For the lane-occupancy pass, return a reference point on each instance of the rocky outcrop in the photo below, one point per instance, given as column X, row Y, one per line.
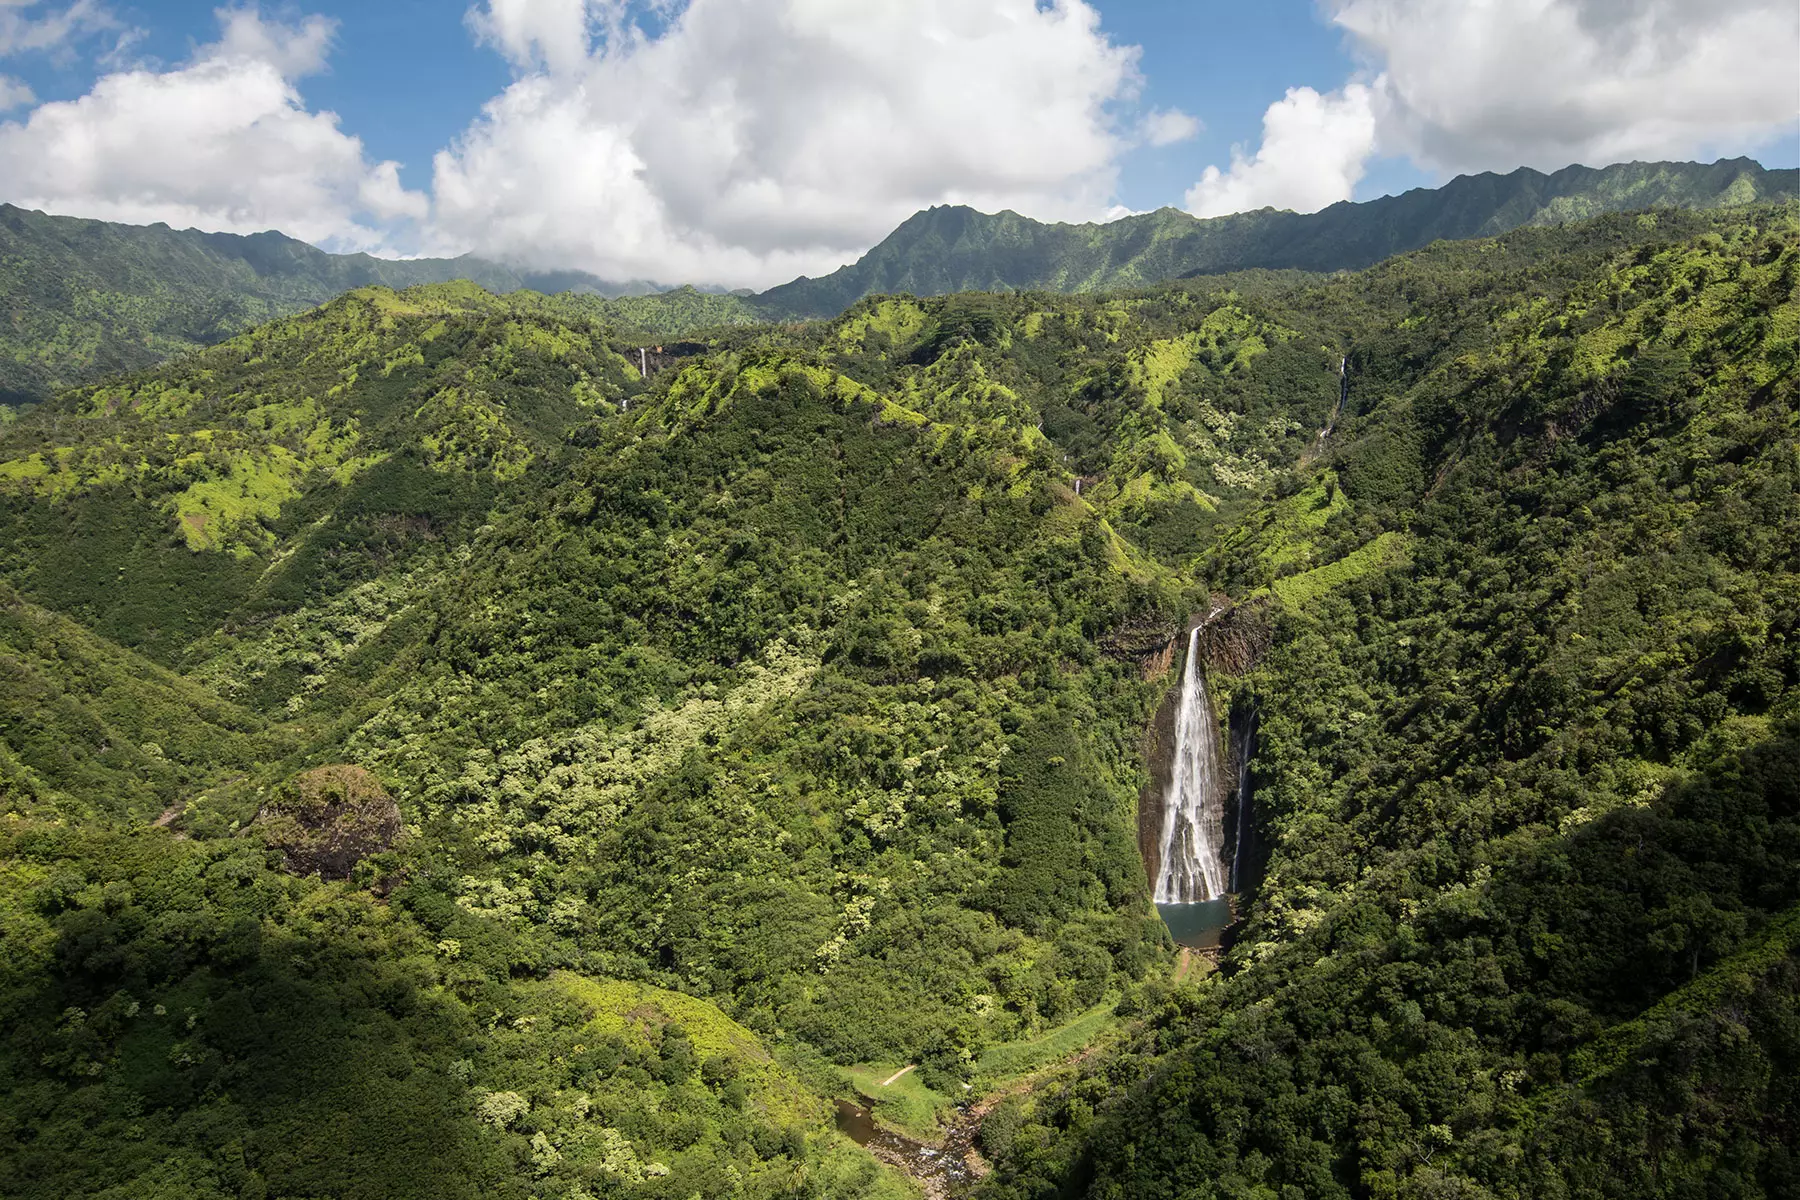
column 327, row 820
column 1149, row 640
column 1236, row 637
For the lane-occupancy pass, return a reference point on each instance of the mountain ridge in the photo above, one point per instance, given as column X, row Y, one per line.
column 973, row 251
column 89, row 298
column 506, row 276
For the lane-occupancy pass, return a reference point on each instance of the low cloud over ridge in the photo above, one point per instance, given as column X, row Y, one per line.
column 1538, row 83
column 224, row 142
column 750, row 140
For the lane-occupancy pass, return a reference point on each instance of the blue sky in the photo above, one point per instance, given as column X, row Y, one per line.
column 743, row 141
column 407, row 76
column 1225, row 64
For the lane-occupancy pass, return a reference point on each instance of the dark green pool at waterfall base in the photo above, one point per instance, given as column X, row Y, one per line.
column 1197, row 926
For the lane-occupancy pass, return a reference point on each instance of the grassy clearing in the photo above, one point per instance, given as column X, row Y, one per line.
column 637, row 1012
column 906, row 1104
column 1298, row 591
column 1010, row 1060
column 1162, row 364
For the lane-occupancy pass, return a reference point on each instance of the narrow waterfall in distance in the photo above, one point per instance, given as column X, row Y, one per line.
column 1192, row 869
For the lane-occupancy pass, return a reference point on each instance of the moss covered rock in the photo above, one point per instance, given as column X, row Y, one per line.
column 327, row 820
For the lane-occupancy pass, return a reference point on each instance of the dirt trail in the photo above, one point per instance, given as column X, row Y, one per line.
column 944, row 1168
column 1195, row 963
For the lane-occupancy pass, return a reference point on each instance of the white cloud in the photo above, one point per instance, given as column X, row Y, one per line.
column 1546, row 83
column 1491, row 86
column 1313, row 152
column 294, row 50
column 26, row 27
column 753, row 139
column 13, row 93
column 1167, row 126
column 552, row 34
column 224, row 143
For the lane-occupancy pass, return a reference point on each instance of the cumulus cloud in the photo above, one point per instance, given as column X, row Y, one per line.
column 748, row 140
column 1546, row 83
column 1313, row 152
column 1540, row 83
column 223, row 143
column 1167, row 126
column 293, row 50
column 553, row 34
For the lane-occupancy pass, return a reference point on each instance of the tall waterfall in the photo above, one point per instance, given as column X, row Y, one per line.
column 1193, row 821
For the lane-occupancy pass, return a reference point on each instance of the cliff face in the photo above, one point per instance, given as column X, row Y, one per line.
column 1159, row 758
column 1237, row 638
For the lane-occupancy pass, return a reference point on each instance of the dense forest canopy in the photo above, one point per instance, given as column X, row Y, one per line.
column 440, row 761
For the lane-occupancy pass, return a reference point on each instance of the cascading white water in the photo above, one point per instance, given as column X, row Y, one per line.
column 1192, row 868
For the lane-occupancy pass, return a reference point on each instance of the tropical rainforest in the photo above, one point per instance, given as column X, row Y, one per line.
column 440, row 759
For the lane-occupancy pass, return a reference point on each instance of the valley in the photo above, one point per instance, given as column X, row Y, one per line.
column 439, row 757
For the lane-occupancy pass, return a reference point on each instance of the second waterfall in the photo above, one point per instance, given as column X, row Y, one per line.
column 1192, row 864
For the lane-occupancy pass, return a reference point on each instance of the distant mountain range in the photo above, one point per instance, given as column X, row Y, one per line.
column 955, row 249
column 89, row 298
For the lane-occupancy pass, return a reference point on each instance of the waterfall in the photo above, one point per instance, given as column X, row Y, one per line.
column 1193, row 823
column 1331, row 420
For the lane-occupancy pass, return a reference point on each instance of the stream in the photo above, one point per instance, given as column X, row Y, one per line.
column 941, row 1172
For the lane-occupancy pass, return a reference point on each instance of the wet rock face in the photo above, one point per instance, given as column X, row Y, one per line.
column 1236, row 637
column 326, row 820
column 1147, row 640
column 1158, row 664
column 1159, row 761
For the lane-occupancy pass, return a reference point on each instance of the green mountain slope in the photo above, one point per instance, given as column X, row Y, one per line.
column 1527, row 777
column 958, row 249
column 787, row 713
column 85, row 723
column 295, row 460
column 271, row 513
column 85, row 299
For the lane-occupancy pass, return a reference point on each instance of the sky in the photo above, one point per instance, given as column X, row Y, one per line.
column 744, row 142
